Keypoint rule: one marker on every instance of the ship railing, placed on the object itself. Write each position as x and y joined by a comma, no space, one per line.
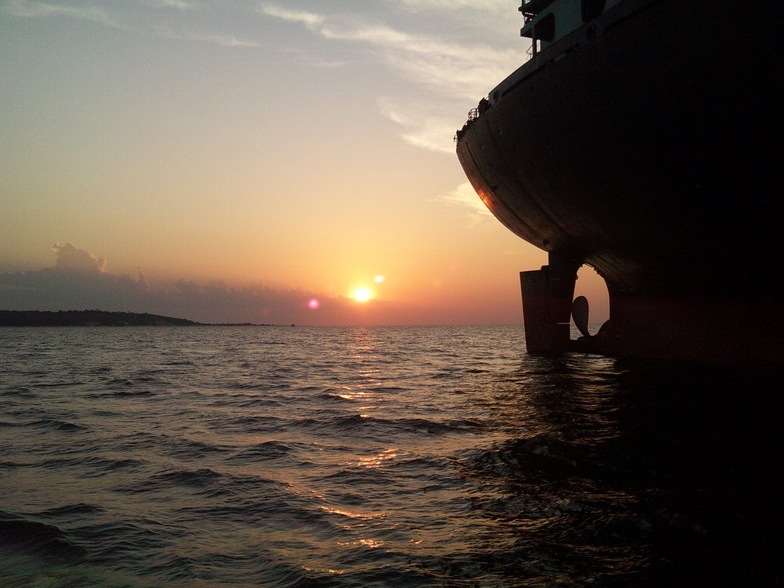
473,114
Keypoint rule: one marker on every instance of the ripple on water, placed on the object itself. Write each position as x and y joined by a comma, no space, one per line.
388,456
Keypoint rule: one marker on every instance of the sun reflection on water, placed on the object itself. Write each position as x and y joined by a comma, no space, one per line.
353,515
376,461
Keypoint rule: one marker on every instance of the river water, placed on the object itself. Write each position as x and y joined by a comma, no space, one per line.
412,456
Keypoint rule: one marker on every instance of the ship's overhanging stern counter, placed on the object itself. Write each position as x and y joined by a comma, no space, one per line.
658,164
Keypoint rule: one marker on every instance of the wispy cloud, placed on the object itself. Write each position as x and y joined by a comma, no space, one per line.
460,70
431,132
32,9
310,20
177,4
465,196
186,34
447,74
443,5
451,72
145,24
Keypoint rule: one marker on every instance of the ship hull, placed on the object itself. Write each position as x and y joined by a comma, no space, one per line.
647,144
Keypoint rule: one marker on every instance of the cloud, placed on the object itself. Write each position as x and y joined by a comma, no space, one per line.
185,34
79,280
452,69
452,72
465,197
178,4
434,133
146,22
310,20
460,70
442,62
443,5
31,9
71,259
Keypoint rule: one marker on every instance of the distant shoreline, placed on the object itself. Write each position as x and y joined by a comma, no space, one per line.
101,318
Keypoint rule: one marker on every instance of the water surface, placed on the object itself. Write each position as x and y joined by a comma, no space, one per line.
434,456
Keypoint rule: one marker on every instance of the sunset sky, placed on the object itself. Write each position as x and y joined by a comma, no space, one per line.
254,161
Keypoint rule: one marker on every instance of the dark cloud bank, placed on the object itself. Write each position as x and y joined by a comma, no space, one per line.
79,280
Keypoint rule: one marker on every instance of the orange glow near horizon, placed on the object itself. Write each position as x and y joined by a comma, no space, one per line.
301,217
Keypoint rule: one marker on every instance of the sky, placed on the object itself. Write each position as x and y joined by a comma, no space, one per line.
255,161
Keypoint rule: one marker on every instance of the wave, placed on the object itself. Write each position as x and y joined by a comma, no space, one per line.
377,457
123,539
334,395
248,424
234,400
56,424
58,384
268,450
79,508
133,393
21,391
370,425
24,536
203,482
103,466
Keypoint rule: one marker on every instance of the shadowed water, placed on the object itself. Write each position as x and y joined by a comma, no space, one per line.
438,456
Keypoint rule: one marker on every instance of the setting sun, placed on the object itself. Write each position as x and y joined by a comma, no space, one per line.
362,295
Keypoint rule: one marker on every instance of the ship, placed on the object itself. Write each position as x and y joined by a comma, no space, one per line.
643,138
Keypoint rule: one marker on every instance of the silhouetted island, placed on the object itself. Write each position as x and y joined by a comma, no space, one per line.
96,318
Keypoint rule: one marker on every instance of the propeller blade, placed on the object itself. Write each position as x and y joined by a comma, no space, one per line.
580,315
